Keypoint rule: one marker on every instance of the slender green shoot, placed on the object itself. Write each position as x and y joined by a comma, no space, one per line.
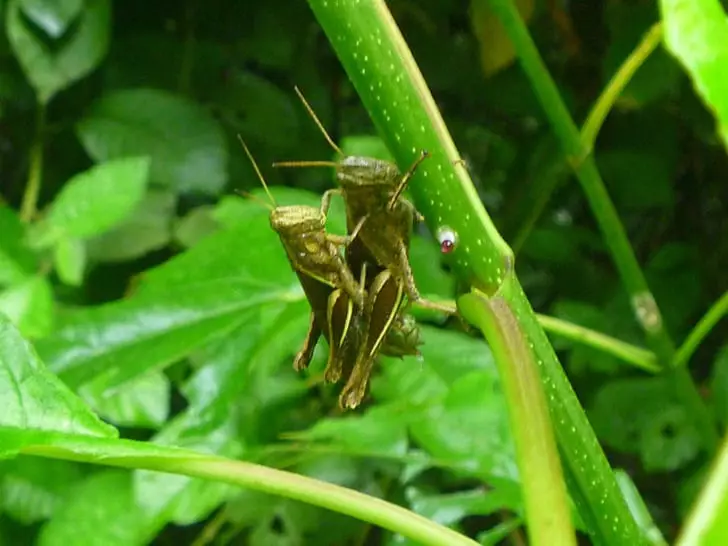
616,85
716,312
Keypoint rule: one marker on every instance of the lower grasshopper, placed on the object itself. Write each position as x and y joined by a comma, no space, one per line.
372,189
356,324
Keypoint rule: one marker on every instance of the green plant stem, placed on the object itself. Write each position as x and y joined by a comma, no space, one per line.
705,525
547,509
35,169
644,305
381,67
260,478
616,85
716,312
642,358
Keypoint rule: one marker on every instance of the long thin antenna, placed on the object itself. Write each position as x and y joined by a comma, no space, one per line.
406,178
305,164
257,171
317,121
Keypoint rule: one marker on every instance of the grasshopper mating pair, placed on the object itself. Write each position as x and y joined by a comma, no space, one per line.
357,300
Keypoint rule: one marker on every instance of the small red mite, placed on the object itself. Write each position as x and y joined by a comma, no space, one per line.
447,239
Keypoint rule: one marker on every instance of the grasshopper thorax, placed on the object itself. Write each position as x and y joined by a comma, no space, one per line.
297,218
357,171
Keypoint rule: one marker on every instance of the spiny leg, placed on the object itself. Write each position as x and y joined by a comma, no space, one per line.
304,356
411,288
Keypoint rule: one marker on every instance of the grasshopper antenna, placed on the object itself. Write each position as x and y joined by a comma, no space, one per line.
260,175
317,121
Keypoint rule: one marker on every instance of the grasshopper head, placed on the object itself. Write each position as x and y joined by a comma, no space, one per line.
357,171
297,219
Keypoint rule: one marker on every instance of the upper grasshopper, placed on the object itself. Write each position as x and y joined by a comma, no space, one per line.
372,189
356,323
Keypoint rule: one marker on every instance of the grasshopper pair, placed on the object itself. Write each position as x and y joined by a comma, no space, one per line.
359,317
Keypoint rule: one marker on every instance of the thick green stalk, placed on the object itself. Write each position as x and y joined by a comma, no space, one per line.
380,65
547,508
644,305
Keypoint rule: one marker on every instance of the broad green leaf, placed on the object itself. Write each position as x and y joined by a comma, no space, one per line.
147,228
50,72
16,260
252,103
69,259
32,489
642,416
450,508
30,306
380,431
100,511
186,145
96,200
203,293
53,16
195,225
235,386
695,32
32,398
143,402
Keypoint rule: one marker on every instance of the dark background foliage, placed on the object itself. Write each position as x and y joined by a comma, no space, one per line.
179,82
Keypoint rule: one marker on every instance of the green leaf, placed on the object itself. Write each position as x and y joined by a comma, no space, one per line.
186,145
33,399
101,511
53,16
382,430
96,200
695,33
32,489
50,72
203,293
195,225
147,228
251,103
450,508
30,306
16,260
642,416
141,403
69,258
456,409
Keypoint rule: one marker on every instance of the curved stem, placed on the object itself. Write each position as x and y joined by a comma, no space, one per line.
35,169
642,358
260,478
716,312
616,85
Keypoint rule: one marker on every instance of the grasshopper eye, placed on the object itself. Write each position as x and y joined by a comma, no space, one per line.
448,239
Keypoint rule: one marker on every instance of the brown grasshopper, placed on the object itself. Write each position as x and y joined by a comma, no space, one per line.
356,324
372,189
